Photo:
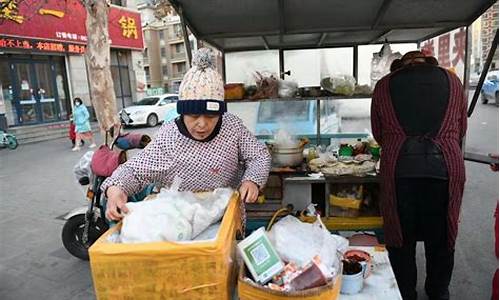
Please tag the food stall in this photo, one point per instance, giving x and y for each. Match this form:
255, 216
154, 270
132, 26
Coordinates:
293, 25
346, 191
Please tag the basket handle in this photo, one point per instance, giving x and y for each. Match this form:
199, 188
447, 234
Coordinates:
288, 210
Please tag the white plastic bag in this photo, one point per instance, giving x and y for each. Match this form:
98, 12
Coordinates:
299, 242
173, 215
82, 167
287, 89
381, 63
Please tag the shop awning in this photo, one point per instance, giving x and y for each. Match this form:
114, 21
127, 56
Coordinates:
241, 25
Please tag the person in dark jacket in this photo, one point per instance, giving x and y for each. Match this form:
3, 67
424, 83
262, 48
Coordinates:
419, 117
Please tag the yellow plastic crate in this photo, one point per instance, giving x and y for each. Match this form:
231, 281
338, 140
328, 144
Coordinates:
345, 202
167, 270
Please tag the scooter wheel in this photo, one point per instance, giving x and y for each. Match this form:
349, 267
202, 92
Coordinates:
12, 142
72, 235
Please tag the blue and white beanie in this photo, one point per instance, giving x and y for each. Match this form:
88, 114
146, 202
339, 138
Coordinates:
202, 89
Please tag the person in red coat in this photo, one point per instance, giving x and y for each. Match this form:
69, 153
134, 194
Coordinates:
419, 117
72, 132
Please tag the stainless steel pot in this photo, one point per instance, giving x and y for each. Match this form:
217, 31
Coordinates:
287, 156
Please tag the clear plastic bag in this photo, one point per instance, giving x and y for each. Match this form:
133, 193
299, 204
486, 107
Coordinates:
173, 215
82, 167
343, 84
381, 63
287, 89
300, 242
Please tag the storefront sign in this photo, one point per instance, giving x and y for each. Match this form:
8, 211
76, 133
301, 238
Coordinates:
42, 46
449, 49
64, 21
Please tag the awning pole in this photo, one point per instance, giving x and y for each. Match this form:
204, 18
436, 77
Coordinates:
355, 63
486, 67
224, 67
187, 44
468, 36
282, 64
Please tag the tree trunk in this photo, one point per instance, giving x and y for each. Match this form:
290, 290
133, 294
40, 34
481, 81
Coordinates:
97, 58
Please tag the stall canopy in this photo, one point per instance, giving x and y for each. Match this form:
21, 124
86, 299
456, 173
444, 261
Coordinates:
241, 25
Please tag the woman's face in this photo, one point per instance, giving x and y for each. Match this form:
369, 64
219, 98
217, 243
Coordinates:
78, 103
201, 126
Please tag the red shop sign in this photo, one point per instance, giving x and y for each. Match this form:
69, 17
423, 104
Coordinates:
64, 21
39, 45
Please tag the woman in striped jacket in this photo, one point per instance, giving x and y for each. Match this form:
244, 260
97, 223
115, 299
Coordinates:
419, 119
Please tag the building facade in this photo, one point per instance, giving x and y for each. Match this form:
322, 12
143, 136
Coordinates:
489, 25
42, 68
165, 58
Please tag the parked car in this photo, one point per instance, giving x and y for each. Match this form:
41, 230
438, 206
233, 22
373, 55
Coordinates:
149, 111
296, 117
489, 91
474, 79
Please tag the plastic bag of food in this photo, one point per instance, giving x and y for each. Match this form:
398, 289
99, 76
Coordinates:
173, 215
340, 85
267, 86
287, 89
381, 63
300, 242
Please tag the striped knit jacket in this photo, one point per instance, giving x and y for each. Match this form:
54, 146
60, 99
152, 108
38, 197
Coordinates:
391, 136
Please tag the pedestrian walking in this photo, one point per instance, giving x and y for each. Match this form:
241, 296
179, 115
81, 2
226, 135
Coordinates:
82, 125
72, 132
419, 117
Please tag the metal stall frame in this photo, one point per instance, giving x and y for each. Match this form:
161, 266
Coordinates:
245, 25
292, 27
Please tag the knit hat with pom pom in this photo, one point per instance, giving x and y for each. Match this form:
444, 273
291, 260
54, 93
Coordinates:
202, 89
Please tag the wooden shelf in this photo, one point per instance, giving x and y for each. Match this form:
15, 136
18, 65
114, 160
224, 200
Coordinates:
338, 97
352, 179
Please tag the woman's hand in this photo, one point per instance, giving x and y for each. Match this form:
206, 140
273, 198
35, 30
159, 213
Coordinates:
249, 191
117, 199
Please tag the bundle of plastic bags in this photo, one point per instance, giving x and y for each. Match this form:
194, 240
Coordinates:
82, 167
173, 215
300, 243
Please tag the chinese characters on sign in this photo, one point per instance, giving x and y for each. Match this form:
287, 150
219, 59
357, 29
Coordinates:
71, 36
64, 22
444, 50
44, 46
10, 11
449, 49
129, 29
459, 48
428, 48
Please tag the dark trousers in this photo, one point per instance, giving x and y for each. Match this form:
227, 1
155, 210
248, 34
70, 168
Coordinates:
422, 208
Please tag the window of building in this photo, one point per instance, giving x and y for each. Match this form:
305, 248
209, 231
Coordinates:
181, 67
163, 52
179, 48
161, 34
145, 53
146, 71
118, 2
164, 70
177, 30
121, 77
